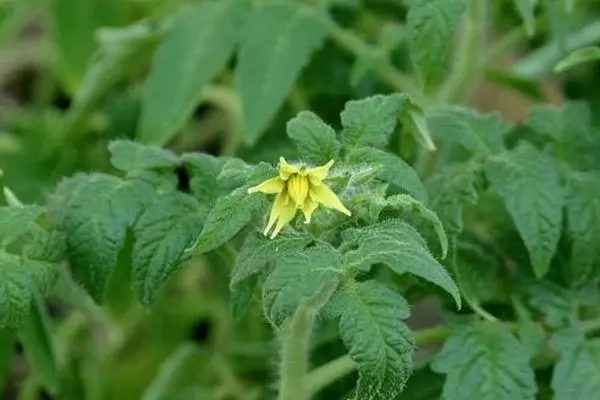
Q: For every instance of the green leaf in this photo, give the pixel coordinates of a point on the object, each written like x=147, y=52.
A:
x=315, y=140
x=529, y=183
x=485, y=361
x=414, y=122
x=36, y=338
x=20, y=279
x=204, y=170
x=558, y=19
x=372, y=120
x=577, y=372
x=230, y=214
x=400, y=247
x=395, y=170
x=532, y=336
x=131, y=156
x=450, y=191
x=164, y=231
x=431, y=26
x=277, y=43
x=370, y=323
x=201, y=42
x=74, y=24
x=299, y=276
x=7, y=345
x=241, y=296
x=94, y=212
x=526, y=11
x=479, y=133
x=17, y=221
x=578, y=57
x=573, y=120
x=583, y=222
x=121, y=51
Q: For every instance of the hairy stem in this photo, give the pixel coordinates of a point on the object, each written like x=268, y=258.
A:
x=295, y=345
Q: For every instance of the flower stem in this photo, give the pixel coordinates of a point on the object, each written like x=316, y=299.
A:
x=295, y=345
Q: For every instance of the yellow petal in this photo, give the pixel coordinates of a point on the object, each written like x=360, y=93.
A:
x=285, y=213
x=309, y=207
x=286, y=170
x=317, y=174
x=273, y=214
x=297, y=188
x=325, y=196
x=270, y=186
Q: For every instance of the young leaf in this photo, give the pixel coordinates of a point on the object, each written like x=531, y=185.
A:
x=7, y=346
x=557, y=304
x=577, y=372
x=298, y=276
x=163, y=232
x=372, y=120
x=529, y=183
x=36, y=338
x=571, y=121
x=400, y=247
x=201, y=43
x=395, y=170
x=579, y=56
x=485, y=361
x=17, y=221
x=479, y=133
x=94, y=212
x=414, y=122
x=450, y=191
x=74, y=25
x=526, y=10
x=583, y=217
x=130, y=156
x=278, y=41
x=229, y=215
x=204, y=170
x=370, y=323
x=20, y=279
x=315, y=140
x=431, y=26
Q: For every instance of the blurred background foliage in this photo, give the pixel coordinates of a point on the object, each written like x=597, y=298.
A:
x=54, y=122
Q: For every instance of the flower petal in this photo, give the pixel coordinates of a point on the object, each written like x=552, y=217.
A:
x=325, y=196
x=317, y=174
x=286, y=170
x=273, y=214
x=270, y=186
x=285, y=213
x=309, y=207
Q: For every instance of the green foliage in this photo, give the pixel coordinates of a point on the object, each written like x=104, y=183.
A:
x=370, y=322
x=201, y=41
x=315, y=140
x=526, y=9
x=529, y=183
x=485, y=361
x=277, y=42
x=577, y=57
x=129, y=156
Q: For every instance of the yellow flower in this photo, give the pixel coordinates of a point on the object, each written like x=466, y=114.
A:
x=297, y=188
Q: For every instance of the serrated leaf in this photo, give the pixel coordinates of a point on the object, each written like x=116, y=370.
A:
x=485, y=361
x=573, y=120
x=17, y=221
x=577, y=57
x=165, y=229
x=583, y=222
x=199, y=46
x=450, y=191
x=316, y=141
x=431, y=26
x=414, y=122
x=230, y=214
x=299, y=276
x=400, y=247
x=36, y=337
x=394, y=170
x=476, y=132
x=20, y=279
x=577, y=372
x=370, y=323
x=529, y=183
x=204, y=170
x=94, y=212
x=241, y=296
x=372, y=120
x=526, y=11
x=278, y=41
x=131, y=156
x=73, y=25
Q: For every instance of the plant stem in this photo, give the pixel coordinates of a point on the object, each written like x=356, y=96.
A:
x=295, y=345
